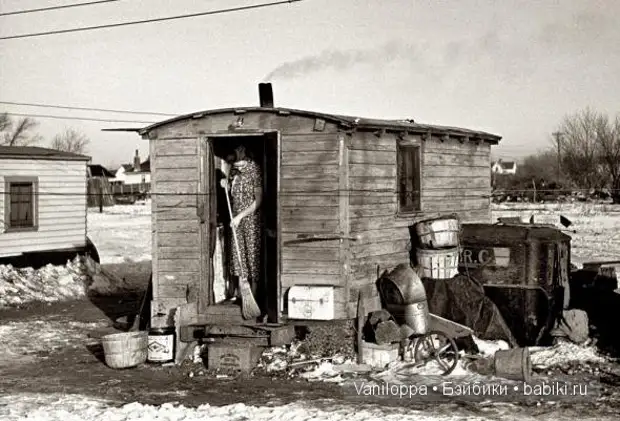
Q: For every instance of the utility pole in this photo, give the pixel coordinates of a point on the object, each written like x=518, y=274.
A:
x=558, y=139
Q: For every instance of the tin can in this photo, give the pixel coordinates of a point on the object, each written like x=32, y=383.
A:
x=161, y=344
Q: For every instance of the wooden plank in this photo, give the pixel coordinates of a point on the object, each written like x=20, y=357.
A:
x=155, y=273
x=369, y=141
x=166, y=175
x=455, y=159
x=304, y=226
x=373, y=183
x=360, y=251
x=291, y=279
x=178, y=252
x=378, y=170
x=310, y=137
x=310, y=158
x=293, y=240
x=178, y=226
x=372, y=157
x=179, y=278
x=177, y=239
x=176, y=146
x=180, y=265
x=385, y=222
x=175, y=214
x=329, y=144
x=308, y=171
x=186, y=292
x=310, y=267
x=372, y=198
x=177, y=187
x=317, y=255
x=366, y=269
x=455, y=146
x=310, y=185
x=399, y=233
x=365, y=211
x=163, y=310
x=299, y=200
x=174, y=162
x=452, y=193
x=312, y=213
x=171, y=201
x=430, y=171
x=344, y=141
x=455, y=205
x=457, y=183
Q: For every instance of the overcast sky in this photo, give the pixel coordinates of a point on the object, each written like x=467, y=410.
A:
x=513, y=68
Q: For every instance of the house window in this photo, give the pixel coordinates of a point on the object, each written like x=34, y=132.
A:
x=20, y=203
x=409, y=178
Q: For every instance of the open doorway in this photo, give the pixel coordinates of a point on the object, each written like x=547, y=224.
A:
x=261, y=152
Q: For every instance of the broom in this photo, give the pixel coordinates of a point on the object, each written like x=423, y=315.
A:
x=249, y=308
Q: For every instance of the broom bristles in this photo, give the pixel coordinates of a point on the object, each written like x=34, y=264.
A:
x=249, y=307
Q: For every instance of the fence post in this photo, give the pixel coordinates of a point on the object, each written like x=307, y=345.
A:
x=100, y=196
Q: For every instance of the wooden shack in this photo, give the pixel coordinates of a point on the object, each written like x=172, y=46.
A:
x=43, y=202
x=340, y=195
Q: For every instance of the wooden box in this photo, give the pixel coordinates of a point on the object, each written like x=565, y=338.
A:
x=311, y=302
x=378, y=356
x=233, y=356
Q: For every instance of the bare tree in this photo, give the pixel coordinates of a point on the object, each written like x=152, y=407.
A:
x=19, y=133
x=608, y=134
x=71, y=141
x=580, y=149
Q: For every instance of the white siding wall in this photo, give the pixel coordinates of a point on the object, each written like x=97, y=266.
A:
x=132, y=178
x=61, y=205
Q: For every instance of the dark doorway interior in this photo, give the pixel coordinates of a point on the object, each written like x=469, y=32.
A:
x=264, y=150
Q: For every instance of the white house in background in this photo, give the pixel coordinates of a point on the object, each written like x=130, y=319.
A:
x=43, y=201
x=504, y=167
x=136, y=173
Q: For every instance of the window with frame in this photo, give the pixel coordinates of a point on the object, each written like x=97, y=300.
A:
x=20, y=200
x=409, y=173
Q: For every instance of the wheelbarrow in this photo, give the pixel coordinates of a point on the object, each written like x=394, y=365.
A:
x=432, y=339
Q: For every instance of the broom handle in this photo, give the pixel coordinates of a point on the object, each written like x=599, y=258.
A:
x=234, y=232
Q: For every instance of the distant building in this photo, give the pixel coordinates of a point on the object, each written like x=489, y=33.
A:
x=504, y=167
x=136, y=173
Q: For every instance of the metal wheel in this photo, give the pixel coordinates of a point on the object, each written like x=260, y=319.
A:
x=437, y=346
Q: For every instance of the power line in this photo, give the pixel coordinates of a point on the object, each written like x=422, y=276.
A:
x=116, y=25
x=57, y=117
x=66, y=107
x=45, y=9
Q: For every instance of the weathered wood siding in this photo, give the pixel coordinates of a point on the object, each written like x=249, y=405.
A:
x=61, y=202
x=308, y=200
x=175, y=227
x=310, y=207
x=455, y=178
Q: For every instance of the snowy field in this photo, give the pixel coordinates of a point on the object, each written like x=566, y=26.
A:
x=596, y=226
x=121, y=233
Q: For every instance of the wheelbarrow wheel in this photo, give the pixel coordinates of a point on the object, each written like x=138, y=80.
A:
x=437, y=346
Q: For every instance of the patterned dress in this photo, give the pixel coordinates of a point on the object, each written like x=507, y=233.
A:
x=244, y=180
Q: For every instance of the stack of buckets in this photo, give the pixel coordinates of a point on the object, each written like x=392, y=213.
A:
x=438, y=250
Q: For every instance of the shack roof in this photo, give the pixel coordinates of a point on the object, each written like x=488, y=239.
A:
x=35, y=152
x=350, y=121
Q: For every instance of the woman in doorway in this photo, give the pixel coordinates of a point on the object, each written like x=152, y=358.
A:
x=246, y=193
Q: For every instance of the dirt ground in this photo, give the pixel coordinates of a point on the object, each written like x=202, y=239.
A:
x=81, y=370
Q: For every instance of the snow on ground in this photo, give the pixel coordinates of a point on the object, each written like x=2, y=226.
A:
x=122, y=233
x=597, y=226
x=49, y=283
x=18, y=345
x=565, y=352
x=62, y=407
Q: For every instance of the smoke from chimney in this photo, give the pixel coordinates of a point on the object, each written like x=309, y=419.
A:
x=265, y=95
